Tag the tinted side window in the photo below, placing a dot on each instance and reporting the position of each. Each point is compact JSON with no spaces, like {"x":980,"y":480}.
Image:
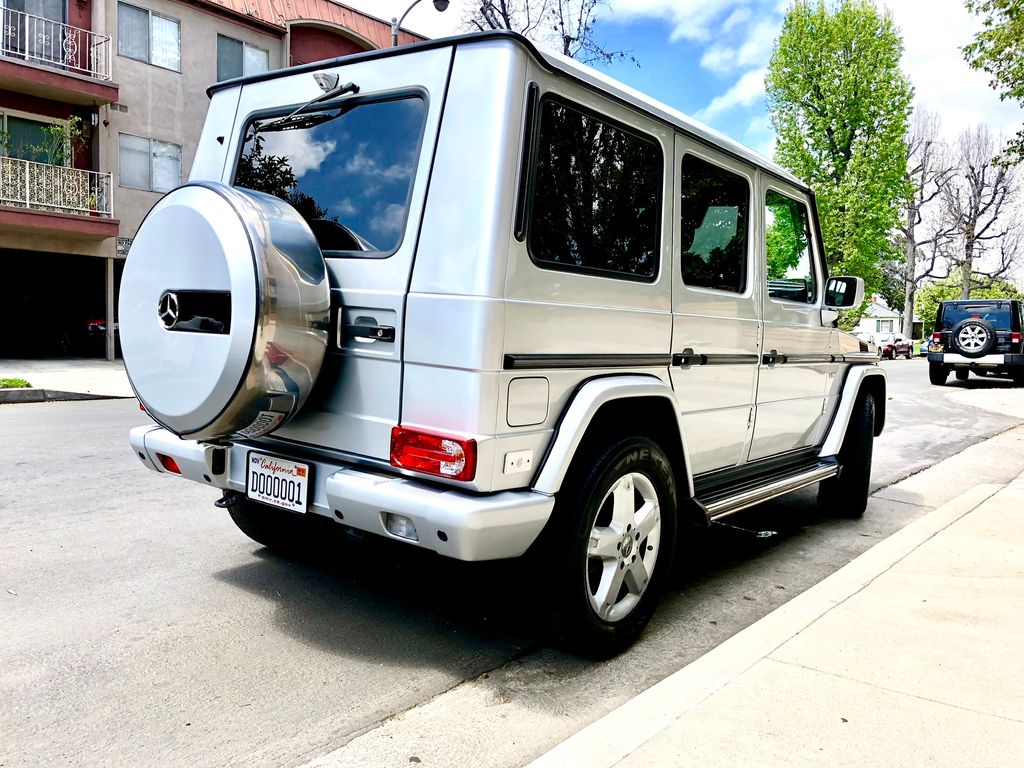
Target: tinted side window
{"x":595,"y":198}
{"x":715,"y":215}
{"x":788,"y":249}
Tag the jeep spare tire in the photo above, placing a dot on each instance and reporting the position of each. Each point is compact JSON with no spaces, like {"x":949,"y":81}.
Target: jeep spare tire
{"x":973,"y":337}
{"x":224,"y":311}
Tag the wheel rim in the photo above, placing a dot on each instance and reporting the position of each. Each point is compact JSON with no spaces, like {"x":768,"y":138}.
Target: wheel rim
{"x":623,"y":547}
{"x":972,"y":338}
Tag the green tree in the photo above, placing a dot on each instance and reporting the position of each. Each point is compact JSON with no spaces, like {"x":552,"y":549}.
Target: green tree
{"x":930,"y":295}
{"x":840,"y":106}
{"x":998,"y":49}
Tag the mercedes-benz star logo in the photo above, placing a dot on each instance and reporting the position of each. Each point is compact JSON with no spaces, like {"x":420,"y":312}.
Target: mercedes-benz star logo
{"x":168,"y":310}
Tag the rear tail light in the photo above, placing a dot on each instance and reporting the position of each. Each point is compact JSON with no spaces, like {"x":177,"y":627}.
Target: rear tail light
{"x":441,"y":455}
{"x":168,"y":463}
{"x":1015,"y":338}
{"x":937,"y":336}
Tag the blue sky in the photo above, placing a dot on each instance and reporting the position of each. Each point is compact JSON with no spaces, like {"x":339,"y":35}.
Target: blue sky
{"x":707,"y":57}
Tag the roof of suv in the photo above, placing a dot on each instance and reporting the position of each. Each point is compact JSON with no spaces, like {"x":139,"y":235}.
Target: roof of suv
{"x":553,"y":62}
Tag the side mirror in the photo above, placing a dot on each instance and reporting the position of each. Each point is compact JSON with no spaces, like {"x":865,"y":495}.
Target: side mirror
{"x":844,"y":292}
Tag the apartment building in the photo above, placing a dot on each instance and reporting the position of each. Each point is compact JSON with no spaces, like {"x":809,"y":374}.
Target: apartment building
{"x":101,"y":106}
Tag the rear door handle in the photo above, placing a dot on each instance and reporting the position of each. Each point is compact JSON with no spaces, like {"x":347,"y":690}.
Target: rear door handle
{"x":772,"y":358}
{"x":687,"y":358}
{"x":371,"y":332}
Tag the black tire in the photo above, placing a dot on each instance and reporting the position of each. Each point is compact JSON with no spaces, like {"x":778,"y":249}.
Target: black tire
{"x":1018,"y":378}
{"x":278,"y":529}
{"x":979,"y":337}
{"x":574,"y":576}
{"x":962,"y":374}
{"x":846,"y":495}
{"x":937,"y":374}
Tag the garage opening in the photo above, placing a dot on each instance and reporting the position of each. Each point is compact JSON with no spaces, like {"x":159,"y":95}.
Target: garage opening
{"x":53,"y":304}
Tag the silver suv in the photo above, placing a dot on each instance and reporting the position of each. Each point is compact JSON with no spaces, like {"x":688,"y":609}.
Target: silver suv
{"x":485,"y":301}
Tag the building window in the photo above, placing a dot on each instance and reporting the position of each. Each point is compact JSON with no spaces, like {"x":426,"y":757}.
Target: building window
{"x":27,"y":139}
{"x":236,"y":58}
{"x":148,"y":36}
{"x":885,"y":326}
{"x":788,"y":249}
{"x":148,"y":163}
{"x":595,"y":202}
{"x":715,"y":206}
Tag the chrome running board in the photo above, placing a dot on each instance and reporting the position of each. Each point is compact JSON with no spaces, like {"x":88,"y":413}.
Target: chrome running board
{"x":729,"y":500}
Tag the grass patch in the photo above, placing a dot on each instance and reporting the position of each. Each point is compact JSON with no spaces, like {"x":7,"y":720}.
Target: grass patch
{"x":13,"y":383}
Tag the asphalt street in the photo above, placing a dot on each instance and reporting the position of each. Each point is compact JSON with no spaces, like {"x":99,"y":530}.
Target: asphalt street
{"x":141,"y":628}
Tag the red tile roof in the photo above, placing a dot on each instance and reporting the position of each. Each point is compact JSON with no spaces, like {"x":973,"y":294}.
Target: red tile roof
{"x":277,"y":13}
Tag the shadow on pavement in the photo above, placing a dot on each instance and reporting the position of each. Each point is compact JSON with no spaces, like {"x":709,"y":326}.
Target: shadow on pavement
{"x":363,"y":596}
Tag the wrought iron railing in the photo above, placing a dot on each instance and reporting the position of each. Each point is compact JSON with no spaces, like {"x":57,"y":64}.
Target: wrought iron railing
{"x":49,"y":42}
{"x":55,"y":188}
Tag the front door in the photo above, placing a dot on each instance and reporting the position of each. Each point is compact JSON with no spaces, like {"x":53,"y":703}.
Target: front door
{"x":714,"y":317}
{"x":795,"y":361}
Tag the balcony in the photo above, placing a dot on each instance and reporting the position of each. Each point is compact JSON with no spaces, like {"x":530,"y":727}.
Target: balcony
{"x":57,"y":200}
{"x":46,"y":58}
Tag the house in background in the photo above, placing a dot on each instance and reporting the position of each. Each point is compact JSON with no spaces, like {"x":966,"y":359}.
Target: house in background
{"x":129,"y":79}
{"x":879,"y":318}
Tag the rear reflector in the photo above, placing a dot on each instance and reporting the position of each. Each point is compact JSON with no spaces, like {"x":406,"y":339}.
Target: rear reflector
{"x":440,"y":455}
{"x":168,"y":463}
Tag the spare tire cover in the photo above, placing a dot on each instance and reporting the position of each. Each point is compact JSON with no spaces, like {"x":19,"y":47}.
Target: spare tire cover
{"x":224,"y":311}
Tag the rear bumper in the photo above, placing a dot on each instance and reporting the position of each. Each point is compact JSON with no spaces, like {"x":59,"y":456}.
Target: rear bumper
{"x":949,"y":358}
{"x":473,"y":526}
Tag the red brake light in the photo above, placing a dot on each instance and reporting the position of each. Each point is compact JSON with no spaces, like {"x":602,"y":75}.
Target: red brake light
{"x":169,"y":464}
{"x":937,"y":336}
{"x":1015,"y":338}
{"x":452,"y":457}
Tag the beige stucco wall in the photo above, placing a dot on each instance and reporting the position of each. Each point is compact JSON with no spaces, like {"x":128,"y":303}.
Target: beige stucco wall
{"x":163,"y":104}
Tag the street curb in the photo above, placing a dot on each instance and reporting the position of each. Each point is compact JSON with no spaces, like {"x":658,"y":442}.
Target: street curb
{"x":622,"y":731}
{"x":37,"y":395}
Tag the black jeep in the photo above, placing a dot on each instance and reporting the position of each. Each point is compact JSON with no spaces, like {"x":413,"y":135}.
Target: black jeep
{"x":979,"y":335}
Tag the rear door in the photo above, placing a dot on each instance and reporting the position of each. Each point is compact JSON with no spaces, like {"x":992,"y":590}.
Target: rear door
{"x":796,"y":363}
{"x":715,"y":321}
{"x":356,"y":168}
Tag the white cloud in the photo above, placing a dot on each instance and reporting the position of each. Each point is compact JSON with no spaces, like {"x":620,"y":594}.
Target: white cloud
{"x":388,"y":220}
{"x":736,"y":18}
{"x":303,"y":153}
{"x":690,"y":19}
{"x":747,"y":91}
{"x":363,"y":165}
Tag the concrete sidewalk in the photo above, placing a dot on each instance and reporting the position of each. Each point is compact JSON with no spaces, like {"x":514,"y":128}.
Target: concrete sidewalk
{"x":62,"y":377}
{"x":909,"y":655}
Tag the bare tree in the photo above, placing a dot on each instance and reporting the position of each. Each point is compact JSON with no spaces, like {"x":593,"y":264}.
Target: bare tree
{"x":929,"y":169}
{"x":565,"y":25}
{"x":976,"y":200}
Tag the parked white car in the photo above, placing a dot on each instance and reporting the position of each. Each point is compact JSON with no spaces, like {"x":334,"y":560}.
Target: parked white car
{"x":484,"y":301}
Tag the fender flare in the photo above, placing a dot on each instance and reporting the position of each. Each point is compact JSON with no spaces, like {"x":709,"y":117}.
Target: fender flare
{"x":580,"y":412}
{"x":852,"y":386}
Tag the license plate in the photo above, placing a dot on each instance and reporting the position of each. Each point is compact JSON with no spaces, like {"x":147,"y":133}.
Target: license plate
{"x":278,"y":482}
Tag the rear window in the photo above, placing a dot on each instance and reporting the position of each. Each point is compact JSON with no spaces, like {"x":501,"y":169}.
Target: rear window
{"x":347,"y":169}
{"x":997,"y":314}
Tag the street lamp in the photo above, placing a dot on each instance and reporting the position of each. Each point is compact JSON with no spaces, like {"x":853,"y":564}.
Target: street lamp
{"x":440,"y":5}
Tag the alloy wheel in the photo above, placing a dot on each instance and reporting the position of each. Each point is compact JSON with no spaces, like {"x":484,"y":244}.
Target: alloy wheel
{"x":623,"y":547}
